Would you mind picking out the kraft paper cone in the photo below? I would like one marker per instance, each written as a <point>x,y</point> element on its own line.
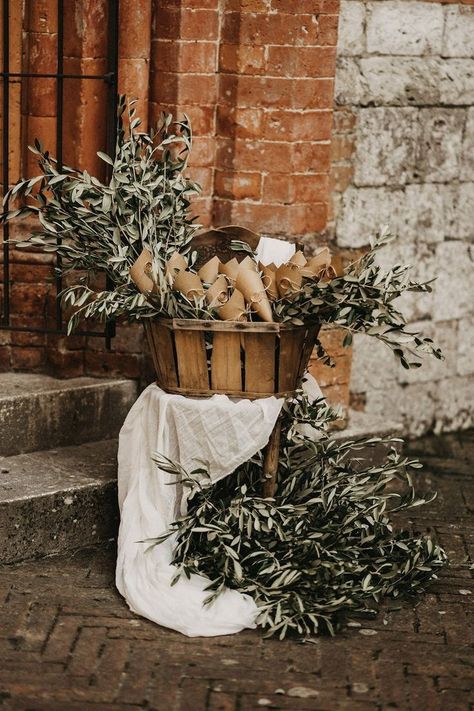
<point>210,270</point>
<point>320,260</point>
<point>234,309</point>
<point>288,279</point>
<point>326,273</point>
<point>248,263</point>
<point>140,272</point>
<point>298,258</point>
<point>188,284</point>
<point>251,286</point>
<point>269,281</point>
<point>230,269</point>
<point>217,295</point>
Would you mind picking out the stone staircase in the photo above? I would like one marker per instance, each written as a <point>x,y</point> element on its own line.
<point>58,462</point>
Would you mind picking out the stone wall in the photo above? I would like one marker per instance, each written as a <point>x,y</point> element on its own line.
<point>403,154</point>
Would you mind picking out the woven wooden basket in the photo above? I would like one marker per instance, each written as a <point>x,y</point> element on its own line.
<point>251,360</point>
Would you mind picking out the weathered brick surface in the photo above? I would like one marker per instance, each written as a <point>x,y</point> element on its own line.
<point>404,137</point>
<point>68,641</point>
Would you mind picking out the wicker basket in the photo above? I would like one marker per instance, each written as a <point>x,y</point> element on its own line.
<point>239,359</point>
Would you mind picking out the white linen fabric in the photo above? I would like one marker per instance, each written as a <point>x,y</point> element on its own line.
<point>220,433</point>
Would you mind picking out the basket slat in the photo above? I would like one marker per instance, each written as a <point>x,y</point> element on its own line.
<point>161,346</point>
<point>192,359</point>
<point>291,346</point>
<point>311,335</point>
<point>260,363</point>
<point>226,368</point>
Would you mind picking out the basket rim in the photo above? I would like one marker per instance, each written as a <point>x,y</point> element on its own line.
<point>191,324</point>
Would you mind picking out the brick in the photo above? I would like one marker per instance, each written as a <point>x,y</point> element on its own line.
<point>109,364</point>
<point>391,30</point>
<point>273,219</point>
<point>42,16</point>
<point>276,188</point>
<point>27,358</point>
<point>255,91</point>
<point>83,35</point>
<point>297,125</point>
<point>169,88</point>
<point>241,59</point>
<point>194,24</point>
<point>311,157</point>
<point>238,122</point>
<point>312,93</point>
<point>318,7</point>
<point>178,56</point>
<point>135,29</point>
<point>275,28</point>
<point>238,185</point>
<point>203,176</point>
<point>253,155</point>
<point>301,61</point>
<point>201,117</point>
<point>247,5</point>
<point>203,151</point>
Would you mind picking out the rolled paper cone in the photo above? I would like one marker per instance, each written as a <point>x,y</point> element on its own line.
<point>234,308</point>
<point>140,272</point>
<point>210,270</point>
<point>217,294</point>
<point>319,261</point>
<point>175,264</point>
<point>288,278</point>
<point>327,273</point>
<point>230,269</point>
<point>298,258</point>
<point>251,286</point>
<point>188,284</point>
<point>248,263</point>
<point>270,283</point>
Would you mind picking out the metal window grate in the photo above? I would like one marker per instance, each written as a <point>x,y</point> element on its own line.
<point>110,109</point>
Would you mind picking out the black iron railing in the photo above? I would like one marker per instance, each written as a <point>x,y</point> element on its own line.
<point>110,109</point>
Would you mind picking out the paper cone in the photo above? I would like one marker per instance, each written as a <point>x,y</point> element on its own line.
<point>234,309</point>
<point>248,263</point>
<point>230,269</point>
<point>140,272</point>
<point>251,286</point>
<point>269,281</point>
<point>175,264</point>
<point>288,279</point>
<point>188,284</point>
<point>326,273</point>
<point>320,260</point>
<point>270,266</point>
<point>298,258</point>
<point>209,271</point>
<point>217,294</point>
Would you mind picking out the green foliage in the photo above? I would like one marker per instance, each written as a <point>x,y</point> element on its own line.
<point>102,227</point>
<point>97,227</point>
<point>324,549</point>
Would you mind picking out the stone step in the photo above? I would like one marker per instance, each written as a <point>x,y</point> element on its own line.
<point>57,500</point>
<point>39,412</point>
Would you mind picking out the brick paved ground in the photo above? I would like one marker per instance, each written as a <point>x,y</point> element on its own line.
<point>68,642</point>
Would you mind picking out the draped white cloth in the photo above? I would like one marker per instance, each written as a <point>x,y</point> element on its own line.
<point>220,433</point>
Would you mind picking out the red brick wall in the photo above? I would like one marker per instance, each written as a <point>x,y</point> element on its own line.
<point>255,76</point>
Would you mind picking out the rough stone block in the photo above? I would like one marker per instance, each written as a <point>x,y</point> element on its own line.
<point>39,412</point>
<point>454,287</point>
<point>429,207</point>
<point>349,86</point>
<point>404,28</point>
<point>413,405</point>
<point>373,365</point>
<point>387,139</point>
<point>408,81</point>
<point>458,38</point>
<point>464,226</point>
<point>456,82</point>
<point>454,404</point>
<point>465,347</point>
<point>351,33</point>
<point>439,148</point>
<point>444,335</point>
<point>467,158</point>
<point>364,211</point>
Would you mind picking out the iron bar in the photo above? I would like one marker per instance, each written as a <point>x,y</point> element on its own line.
<point>6,158</point>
